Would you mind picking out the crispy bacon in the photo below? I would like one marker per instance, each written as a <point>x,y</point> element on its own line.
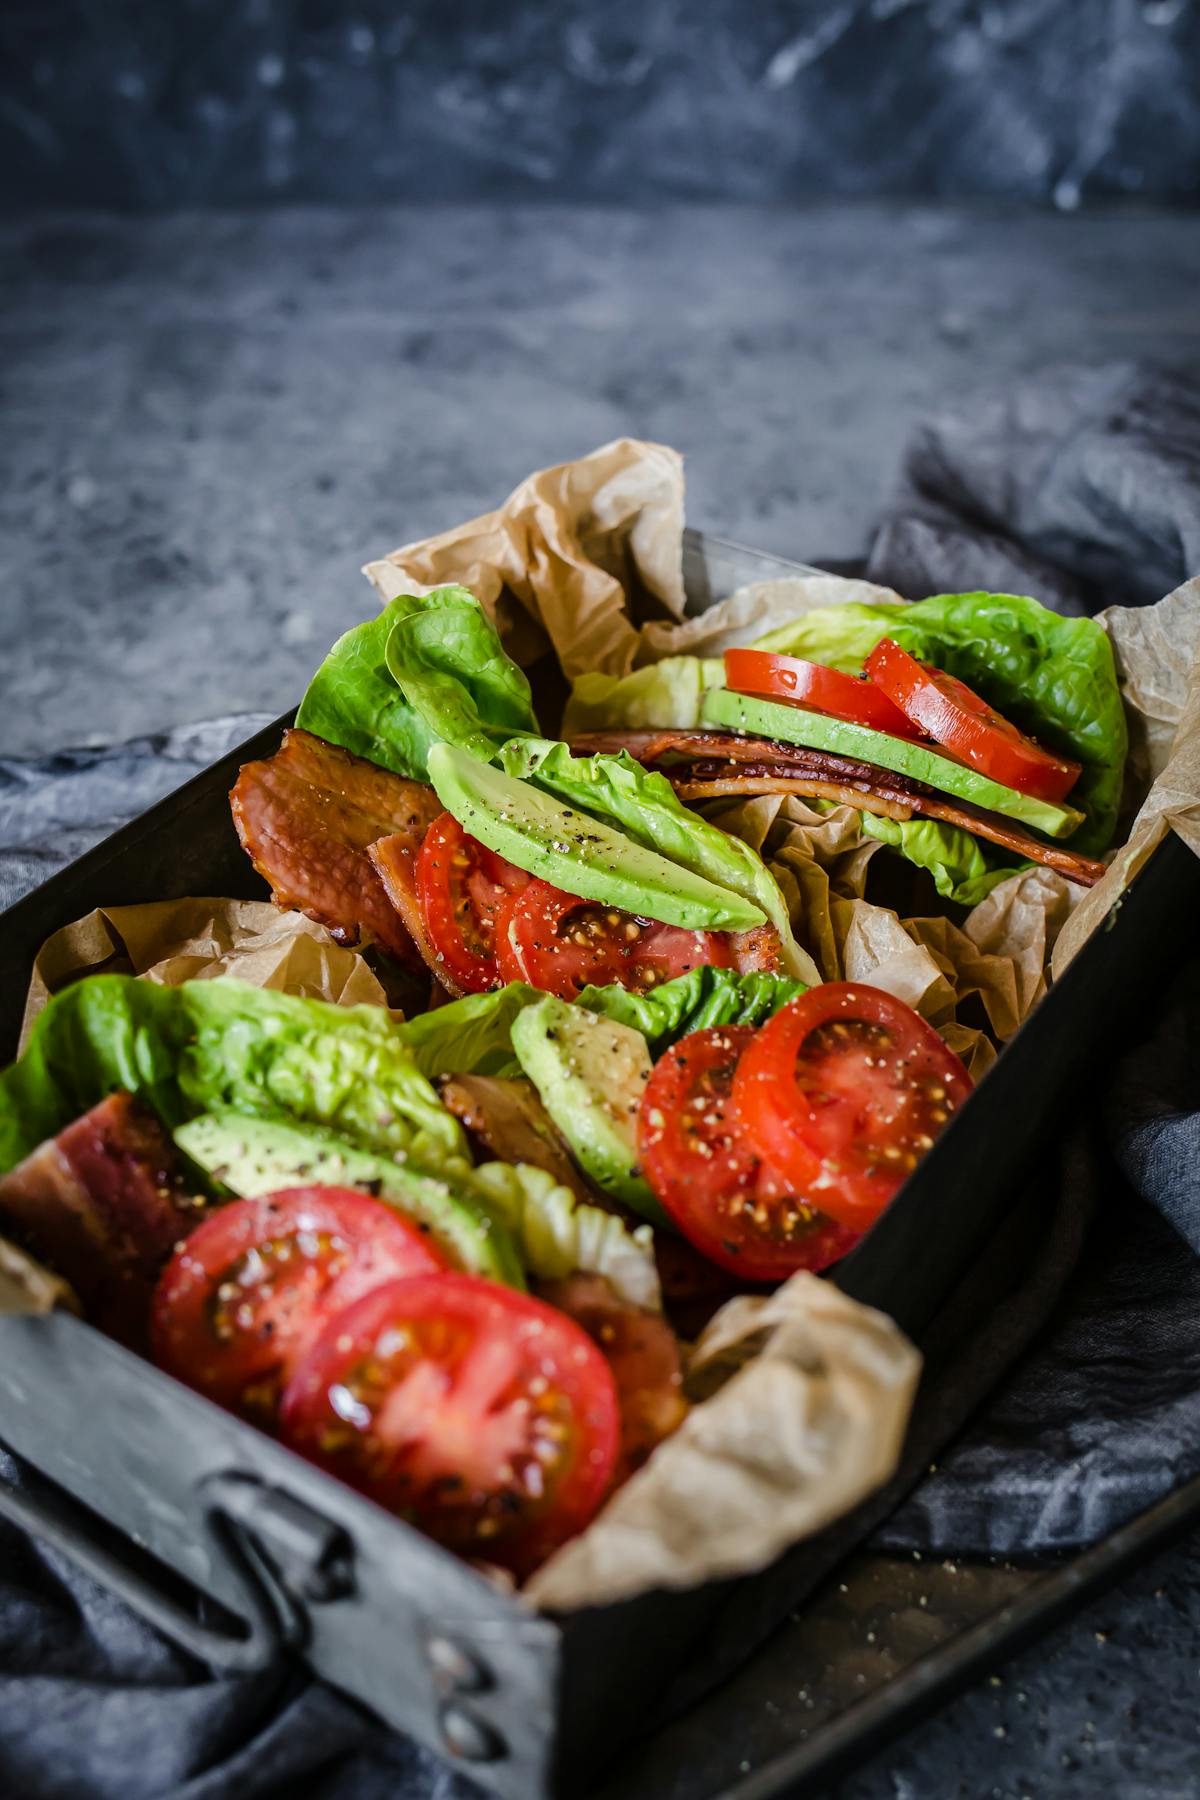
<point>507,1120</point>
<point>103,1204</point>
<point>643,1353</point>
<point>394,860</point>
<point>720,765</point>
<point>307,817</point>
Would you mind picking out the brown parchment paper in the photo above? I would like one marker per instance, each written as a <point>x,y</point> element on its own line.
<point>807,1398</point>
<point>172,941</point>
<point>555,562</point>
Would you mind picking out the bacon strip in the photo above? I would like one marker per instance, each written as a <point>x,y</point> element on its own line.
<point>724,765</point>
<point>103,1204</point>
<point>307,817</point>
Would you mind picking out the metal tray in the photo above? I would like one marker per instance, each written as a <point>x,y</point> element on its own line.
<point>240,1550</point>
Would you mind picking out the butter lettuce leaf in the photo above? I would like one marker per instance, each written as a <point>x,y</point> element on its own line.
<point>429,669</point>
<point>646,808</point>
<point>690,1002</point>
<point>556,1234</point>
<point>962,870</point>
<point>669,692</point>
<point>471,1036</point>
<point>222,1045</point>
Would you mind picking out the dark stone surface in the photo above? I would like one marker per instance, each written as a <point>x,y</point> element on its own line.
<point>218,102</point>
<point>210,421</point>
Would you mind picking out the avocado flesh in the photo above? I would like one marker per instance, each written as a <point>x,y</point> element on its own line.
<point>577,853</point>
<point>818,731</point>
<point>591,1074</point>
<point>260,1156</point>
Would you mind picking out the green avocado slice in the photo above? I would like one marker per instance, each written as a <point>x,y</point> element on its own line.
<point>818,731</point>
<point>253,1156</point>
<point>591,1074</point>
<point>572,851</point>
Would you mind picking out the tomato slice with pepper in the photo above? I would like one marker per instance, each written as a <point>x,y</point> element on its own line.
<point>248,1290</point>
<point>479,1414</point>
<point>959,719</point>
<point>461,886</point>
<point>843,1091</point>
<point>705,1171</point>
<point>795,682</point>
<point>560,943</point>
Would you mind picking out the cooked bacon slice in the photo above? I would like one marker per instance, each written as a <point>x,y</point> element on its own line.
<point>307,816</point>
<point>643,1354</point>
<point>394,861</point>
<point>508,1121</point>
<point>103,1204</point>
<point>721,765</point>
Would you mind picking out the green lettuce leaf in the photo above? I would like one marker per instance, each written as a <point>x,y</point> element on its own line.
<point>962,870</point>
<point>557,1234</point>
<point>429,669</point>
<point>646,808</point>
<point>212,1045</point>
<point>471,1036</point>
<point>690,1002</point>
<point>669,692</point>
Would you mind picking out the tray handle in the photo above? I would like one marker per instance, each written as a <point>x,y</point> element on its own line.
<point>266,1624</point>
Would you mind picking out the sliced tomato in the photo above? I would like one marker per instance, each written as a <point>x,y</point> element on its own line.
<point>843,1091</point>
<point>643,1353</point>
<point>560,943</point>
<point>795,682</point>
<point>705,1170</point>
<point>479,1414</point>
<point>956,717</point>
<point>247,1292</point>
<point>461,885</point>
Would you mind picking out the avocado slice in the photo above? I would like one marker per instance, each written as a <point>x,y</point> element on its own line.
<point>817,731</point>
<point>575,852</point>
<point>591,1073</point>
<point>259,1156</point>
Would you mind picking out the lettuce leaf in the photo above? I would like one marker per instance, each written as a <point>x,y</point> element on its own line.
<point>646,808</point>
<point>212,1045</point>
<point>557,1234</point>
<point>962,870</point>
<point>429,669</point>
<point>669,692</point>
<point>690,1002</point>
<point>471,1036</point>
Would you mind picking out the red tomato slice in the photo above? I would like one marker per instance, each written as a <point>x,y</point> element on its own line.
<point>560,943</point>
<point>246,1293</point>
<point>795,682</point>
<point>704,1170</point>
<point>461,885</point>
<point>479,1414</point>
<point>843,1091</point>
<point>956,717</point>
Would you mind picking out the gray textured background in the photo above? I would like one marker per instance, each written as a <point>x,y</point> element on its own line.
<point>217,102</point>
<point>210,421</point>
